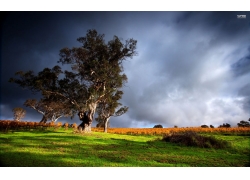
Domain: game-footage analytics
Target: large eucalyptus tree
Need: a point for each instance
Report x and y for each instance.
(96, 72)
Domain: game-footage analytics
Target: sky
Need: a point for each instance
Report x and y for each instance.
(192, 67)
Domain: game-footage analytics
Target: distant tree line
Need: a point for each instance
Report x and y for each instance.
(224, 125)
(242, 123)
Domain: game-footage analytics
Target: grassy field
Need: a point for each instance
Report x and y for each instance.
(63, 148)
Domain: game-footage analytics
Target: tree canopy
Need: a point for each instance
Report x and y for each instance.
(96, 74)
(51, 109)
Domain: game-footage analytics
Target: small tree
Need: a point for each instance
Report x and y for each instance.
(211, 126)
(108, 107)
(19, 113)
(50, 109)
(243, 124)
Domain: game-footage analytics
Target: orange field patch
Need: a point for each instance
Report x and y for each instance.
(162, 131)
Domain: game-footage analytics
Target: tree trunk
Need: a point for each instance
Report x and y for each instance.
(106, 124)
(87, 119)
(55, 118)
(84, 126)
(44, 119)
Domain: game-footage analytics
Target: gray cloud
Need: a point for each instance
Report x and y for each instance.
(187, 73)
(242, 66)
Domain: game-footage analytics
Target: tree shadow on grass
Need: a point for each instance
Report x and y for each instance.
(56, 151)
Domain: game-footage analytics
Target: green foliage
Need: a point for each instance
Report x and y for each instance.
(98, 65)
(190, 138)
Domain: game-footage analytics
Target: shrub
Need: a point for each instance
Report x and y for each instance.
(66, 125)
(74, 125)
(158, 126)
(190, 138)
(204, 126)
(59, 124)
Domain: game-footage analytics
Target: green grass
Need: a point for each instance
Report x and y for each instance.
(65, 149)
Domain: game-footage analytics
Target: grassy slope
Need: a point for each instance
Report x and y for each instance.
(65, 149)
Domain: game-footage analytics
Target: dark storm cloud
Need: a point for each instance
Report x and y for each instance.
(221, 24)
(182, 75)
(241, 72)
(245, 93)
(242, 66)
(32, 40)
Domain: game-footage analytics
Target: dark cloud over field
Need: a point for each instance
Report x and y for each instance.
(192, 68)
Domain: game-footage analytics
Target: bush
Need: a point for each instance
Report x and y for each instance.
(65, 126)
(158, 126)
(74, 125)
(204, 126)
(190, 138)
